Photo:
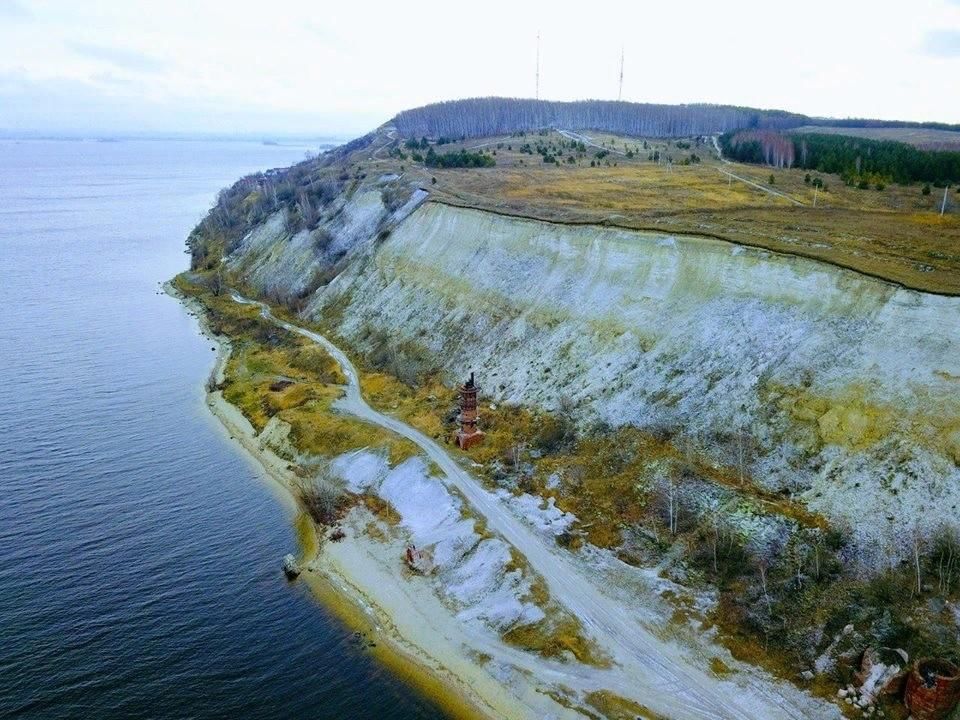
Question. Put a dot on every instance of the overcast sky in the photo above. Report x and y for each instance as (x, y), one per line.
(343, 67)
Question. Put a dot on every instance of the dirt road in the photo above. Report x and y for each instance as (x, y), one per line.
(652, 671)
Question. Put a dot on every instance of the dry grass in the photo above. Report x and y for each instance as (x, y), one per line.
(615, 707)
(603, 474)
(747, 647)
(262, 354)
(895, 234)
(556, 639)
(604, 483)
(382, 509)
(423, 407)
(719, 668)
(318, 430)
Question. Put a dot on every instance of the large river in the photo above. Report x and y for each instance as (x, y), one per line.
(139, 550)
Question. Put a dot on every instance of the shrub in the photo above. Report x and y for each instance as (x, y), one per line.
(556, 434)
(462, 159)
(321, 239)
(323, 501)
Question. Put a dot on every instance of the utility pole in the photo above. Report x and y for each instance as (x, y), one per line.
(816, 188)
(620, 91)
(943, 205)
(538, 65)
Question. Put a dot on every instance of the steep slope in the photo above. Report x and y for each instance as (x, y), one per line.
(846, 385)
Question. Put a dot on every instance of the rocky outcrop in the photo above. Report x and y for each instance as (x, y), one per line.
(291, 568)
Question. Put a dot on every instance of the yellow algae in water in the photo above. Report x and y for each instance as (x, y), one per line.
(306, 534)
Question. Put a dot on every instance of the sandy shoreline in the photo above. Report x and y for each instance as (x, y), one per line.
(361, 581)
(466, 667)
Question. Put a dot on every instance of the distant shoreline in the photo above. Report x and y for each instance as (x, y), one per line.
(324, 142)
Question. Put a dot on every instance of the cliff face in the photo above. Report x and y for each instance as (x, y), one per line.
(847, 387)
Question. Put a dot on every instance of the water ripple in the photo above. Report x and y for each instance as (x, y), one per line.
(138, 552)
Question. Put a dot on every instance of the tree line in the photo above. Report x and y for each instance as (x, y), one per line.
(760, 147)
(482, 117)
(868, 123)
(850, 157)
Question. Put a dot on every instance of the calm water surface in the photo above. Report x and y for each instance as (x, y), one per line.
(139, 551)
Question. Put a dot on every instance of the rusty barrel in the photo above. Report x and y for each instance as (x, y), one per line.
(933, 689)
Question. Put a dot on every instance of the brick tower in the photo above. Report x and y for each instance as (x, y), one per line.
(468, 434)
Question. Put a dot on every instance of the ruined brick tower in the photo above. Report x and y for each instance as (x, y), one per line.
(468, 434)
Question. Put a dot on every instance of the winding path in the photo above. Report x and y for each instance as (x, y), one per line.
(646, 668)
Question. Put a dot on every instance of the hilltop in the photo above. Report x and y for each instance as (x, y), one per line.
(658, 182)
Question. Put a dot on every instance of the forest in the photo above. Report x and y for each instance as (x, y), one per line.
(462, 159)
(483, 117)
(852, 158)
(868, 123)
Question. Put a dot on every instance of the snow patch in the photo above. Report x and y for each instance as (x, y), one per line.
(361, 470)
(542, 514)
(472, 572)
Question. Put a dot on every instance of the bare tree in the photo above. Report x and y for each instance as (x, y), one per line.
(308, 211)
(762, 566)
(478, 117)
(797, 557)
(741, 456)
(714, 526)
(516, 453)
(815, 540)
(216, 282)
(673, 504)
(322, 500)
(948, 559)
(917, 544)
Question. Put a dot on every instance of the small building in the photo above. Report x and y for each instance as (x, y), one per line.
(468, 435)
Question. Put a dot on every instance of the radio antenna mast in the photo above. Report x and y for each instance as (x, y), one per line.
(620, 91)
(538, 66)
